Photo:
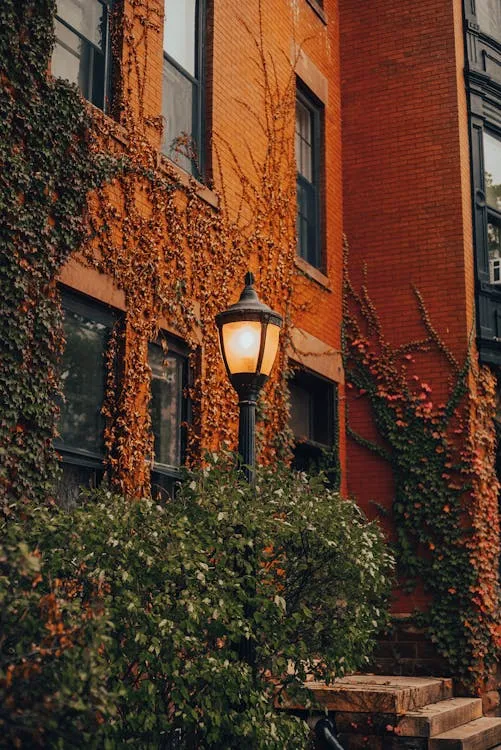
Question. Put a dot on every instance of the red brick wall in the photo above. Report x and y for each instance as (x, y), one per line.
(406, 189)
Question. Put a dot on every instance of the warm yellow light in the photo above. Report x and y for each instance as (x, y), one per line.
(270, 348)
(241, 342)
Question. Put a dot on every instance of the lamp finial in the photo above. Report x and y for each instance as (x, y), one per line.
(249, 279)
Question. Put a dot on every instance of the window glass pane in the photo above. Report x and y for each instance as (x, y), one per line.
(166, 404)
(300, 412)
(180, 141)
(85, 16)
(179, 33)
(75, 58)
(494, 249)
(489, 17)
(66, 55)
(81, 423)
(304, 154)
(312, 403)
(322, 413)
(307, 221)
(492, 170)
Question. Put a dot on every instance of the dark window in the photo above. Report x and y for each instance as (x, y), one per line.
(182, 94)
(81, 54)
(308, 162)
(169, 371)
(492, 185)
(313, 418)
(87, 328)
(488, 14)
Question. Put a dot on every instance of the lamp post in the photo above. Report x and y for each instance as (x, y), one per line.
(248, 335)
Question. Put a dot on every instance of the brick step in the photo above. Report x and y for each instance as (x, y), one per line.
(379, 694)
(437, 718)
(480, 734)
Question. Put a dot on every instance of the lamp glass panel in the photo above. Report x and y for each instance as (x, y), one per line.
(270, 348)
(241, 343)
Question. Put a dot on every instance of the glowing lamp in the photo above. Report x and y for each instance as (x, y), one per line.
(248, 336)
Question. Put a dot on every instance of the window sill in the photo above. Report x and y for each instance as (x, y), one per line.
(310, 443)
(78, 457)
(177, 173)
(318, 10)
(313, 273)
(168, 167)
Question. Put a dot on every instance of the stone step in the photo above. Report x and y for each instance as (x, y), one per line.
(440, 717)
(379, 694)
(480, 734)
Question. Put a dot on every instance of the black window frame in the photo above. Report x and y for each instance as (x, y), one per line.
(313, 252)
(104, 105)
(485, 213)
(493, 215)
(198, 165)
(308, 449)
(70, 455)
(163, 476)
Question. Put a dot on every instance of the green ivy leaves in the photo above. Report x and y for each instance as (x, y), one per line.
(48, 169)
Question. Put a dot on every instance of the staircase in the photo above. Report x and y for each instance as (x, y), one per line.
(405, 713)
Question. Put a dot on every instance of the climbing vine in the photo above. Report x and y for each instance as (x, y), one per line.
(48, 167)
(179, 260)
(445, 507)
(76, 182)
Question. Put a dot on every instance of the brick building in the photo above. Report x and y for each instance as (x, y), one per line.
(198, 71)
(415, 89)
(421, 107)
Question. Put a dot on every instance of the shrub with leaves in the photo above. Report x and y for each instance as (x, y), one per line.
(291, 567)
(53, 637)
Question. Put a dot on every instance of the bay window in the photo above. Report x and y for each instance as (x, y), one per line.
(492, 185)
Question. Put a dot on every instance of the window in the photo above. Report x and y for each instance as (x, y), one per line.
(488, 14)
(308, 162)
(82, 51)
(313, 418)
(182, 94)
(169, 409)
(87, 328)
(492, 186)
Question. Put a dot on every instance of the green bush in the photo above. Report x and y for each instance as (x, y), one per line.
(155, 598)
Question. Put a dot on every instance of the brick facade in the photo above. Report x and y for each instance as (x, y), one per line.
(407, 195)
(233, 106)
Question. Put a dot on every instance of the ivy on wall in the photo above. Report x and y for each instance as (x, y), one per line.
(77, 182)
(179, 260)
(442, 455)
(48, 167)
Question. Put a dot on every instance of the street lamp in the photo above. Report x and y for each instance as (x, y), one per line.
(248, 335)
